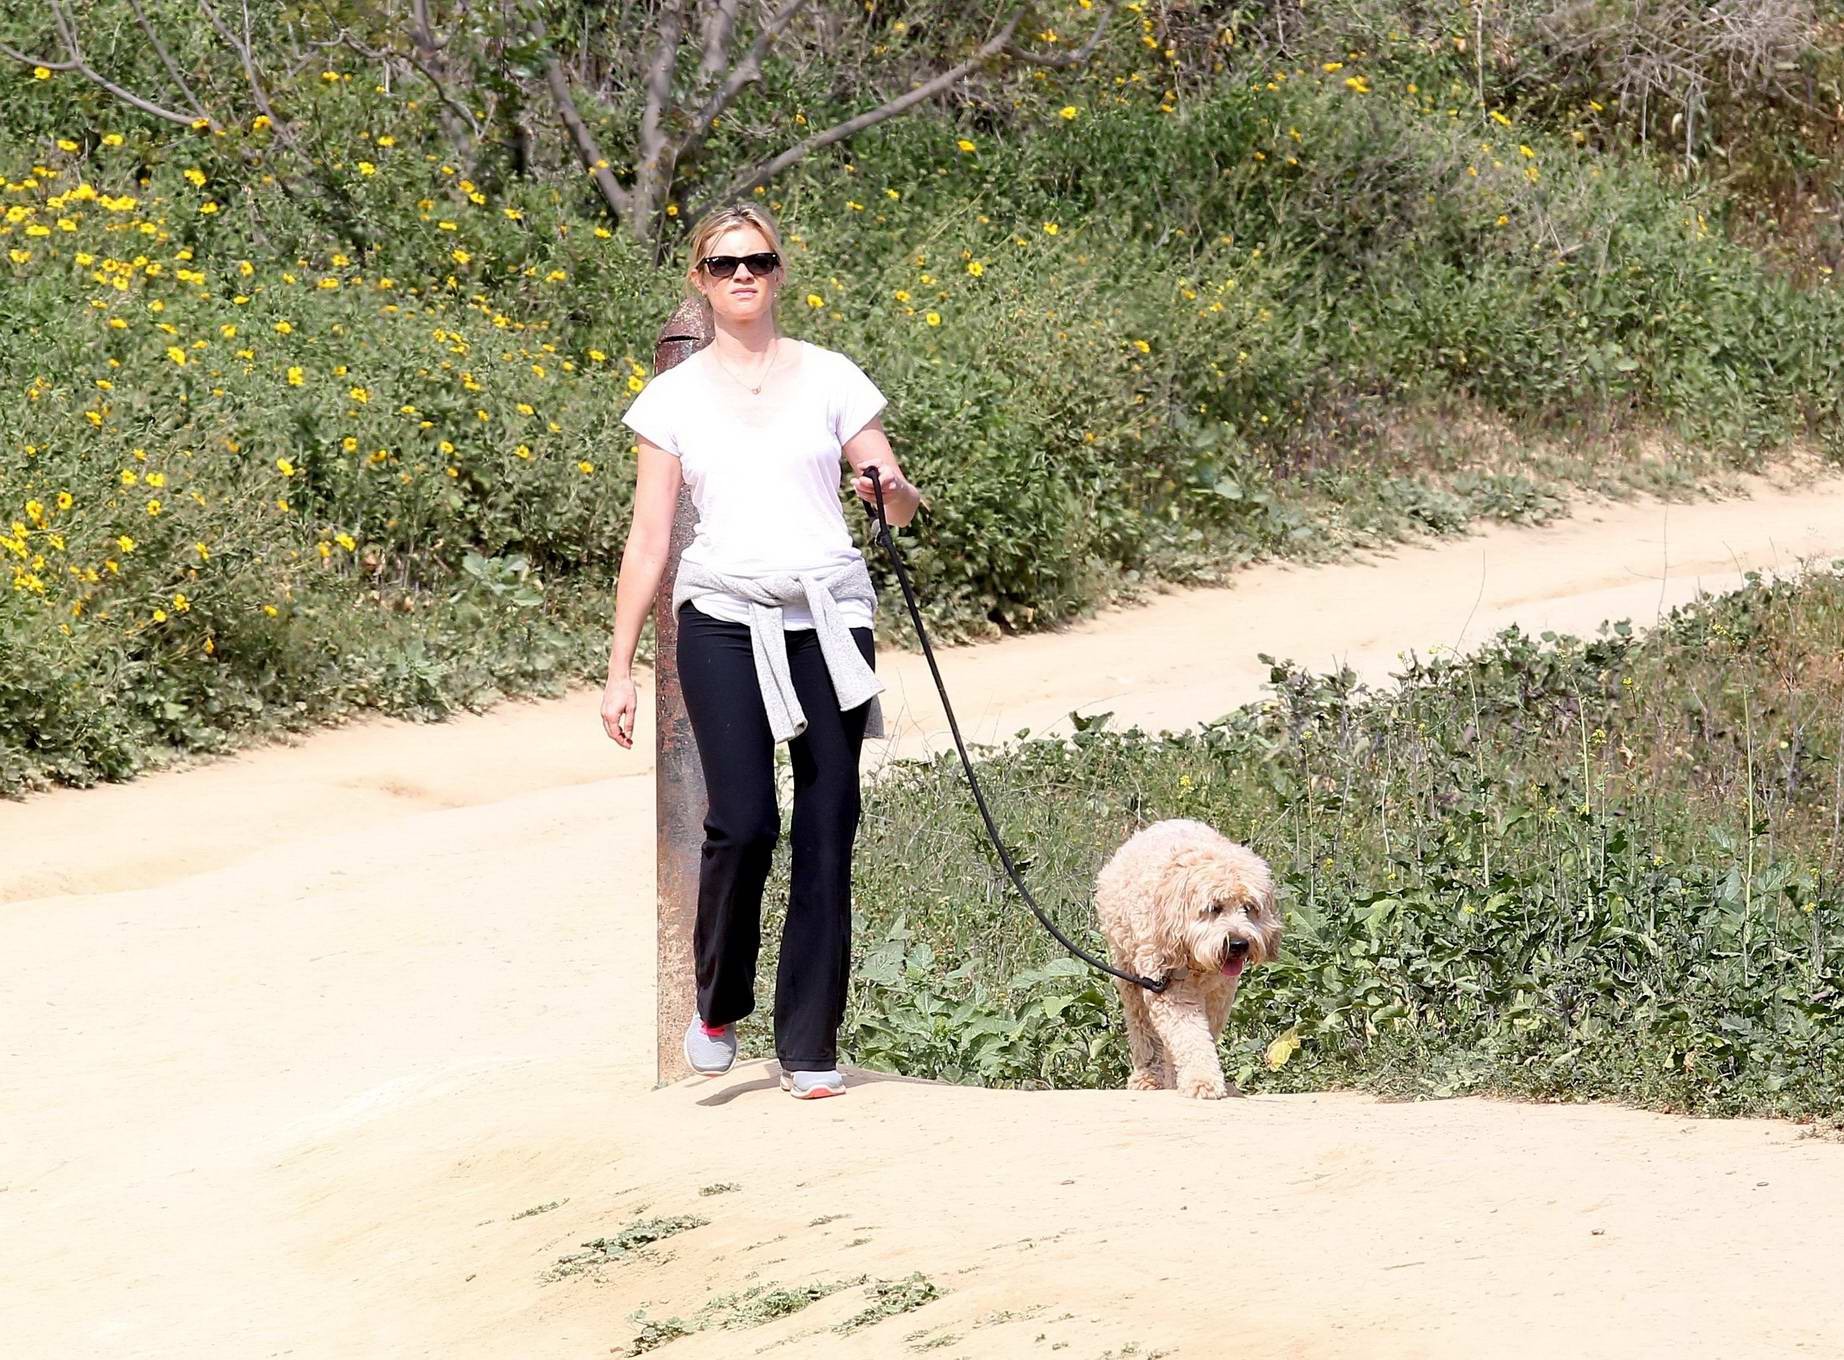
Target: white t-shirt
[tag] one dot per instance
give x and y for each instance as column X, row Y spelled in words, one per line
column 764, row 470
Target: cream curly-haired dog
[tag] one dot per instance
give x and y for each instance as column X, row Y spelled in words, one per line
column 1181, row 900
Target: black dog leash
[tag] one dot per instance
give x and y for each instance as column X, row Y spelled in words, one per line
column 992, row 831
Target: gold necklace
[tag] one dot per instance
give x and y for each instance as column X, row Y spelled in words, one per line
column 774, row 354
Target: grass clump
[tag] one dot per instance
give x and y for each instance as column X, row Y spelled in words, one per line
column 654, row 1334
column 766, row 1303
column 631, row 1240
column 891, row 1298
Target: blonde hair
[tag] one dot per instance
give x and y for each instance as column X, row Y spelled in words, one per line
column 719, row 220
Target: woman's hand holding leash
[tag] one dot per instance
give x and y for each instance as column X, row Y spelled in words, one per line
column 895, row 489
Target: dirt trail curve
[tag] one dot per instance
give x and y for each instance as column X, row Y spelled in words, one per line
column 294, row 1039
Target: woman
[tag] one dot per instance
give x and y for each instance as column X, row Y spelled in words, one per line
column 774, row 606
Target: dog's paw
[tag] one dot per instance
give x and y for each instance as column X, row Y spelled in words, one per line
column 1209, row 1087
column 1145, row 1081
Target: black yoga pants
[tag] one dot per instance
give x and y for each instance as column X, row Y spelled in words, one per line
column 724, row 702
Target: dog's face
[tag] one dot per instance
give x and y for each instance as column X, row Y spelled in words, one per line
column 1221, row 914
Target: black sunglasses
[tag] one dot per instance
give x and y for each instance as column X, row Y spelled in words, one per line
column 723, row 266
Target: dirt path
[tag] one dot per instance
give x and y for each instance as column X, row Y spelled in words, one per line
column 293, row 1040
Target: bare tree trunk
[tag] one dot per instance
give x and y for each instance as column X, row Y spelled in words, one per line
column 583, row 139
column 655, row 157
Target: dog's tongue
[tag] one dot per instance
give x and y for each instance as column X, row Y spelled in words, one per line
column 1233, row 969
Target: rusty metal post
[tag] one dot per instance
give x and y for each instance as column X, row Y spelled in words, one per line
column 678, row 777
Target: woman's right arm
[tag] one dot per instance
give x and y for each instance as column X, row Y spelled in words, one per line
column 643, row 562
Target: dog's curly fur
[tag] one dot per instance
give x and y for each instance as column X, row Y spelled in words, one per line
column 1181, row 899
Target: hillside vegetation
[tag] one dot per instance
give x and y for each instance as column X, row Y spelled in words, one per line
column 303, row 429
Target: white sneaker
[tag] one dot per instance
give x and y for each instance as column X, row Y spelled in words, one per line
column 813, row 1085
column 709, row 1054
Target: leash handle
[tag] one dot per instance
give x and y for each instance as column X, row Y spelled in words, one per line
column 872, row 471
column 979, row 796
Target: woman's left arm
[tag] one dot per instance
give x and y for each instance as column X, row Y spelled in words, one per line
column 870, row 447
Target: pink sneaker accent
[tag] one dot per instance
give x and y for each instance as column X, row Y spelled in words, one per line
column 712, row 1031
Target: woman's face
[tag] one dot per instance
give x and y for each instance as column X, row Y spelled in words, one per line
column 744, row 295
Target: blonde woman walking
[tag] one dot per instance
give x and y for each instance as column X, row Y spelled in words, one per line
column 774, row 606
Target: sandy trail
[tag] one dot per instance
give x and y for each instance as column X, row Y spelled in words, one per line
column 293, row 1038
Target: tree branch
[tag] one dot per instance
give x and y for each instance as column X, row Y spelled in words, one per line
column 617, row 198
column 717, row 27
column 654, row 146
column 248, row 61
column 767, row 170
column 423, row 33
column 448, row 101
column 747, row 70
column 1067, row 59
column 77, row 63
column 166, row 60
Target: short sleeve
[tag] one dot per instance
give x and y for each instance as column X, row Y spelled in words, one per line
column 650, row 415
column 855, row 400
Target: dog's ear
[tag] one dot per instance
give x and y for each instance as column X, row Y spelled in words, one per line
column 1177, row 901
column 1167, row 947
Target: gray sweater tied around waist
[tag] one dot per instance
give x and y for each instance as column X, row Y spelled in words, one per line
column 853, row 680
